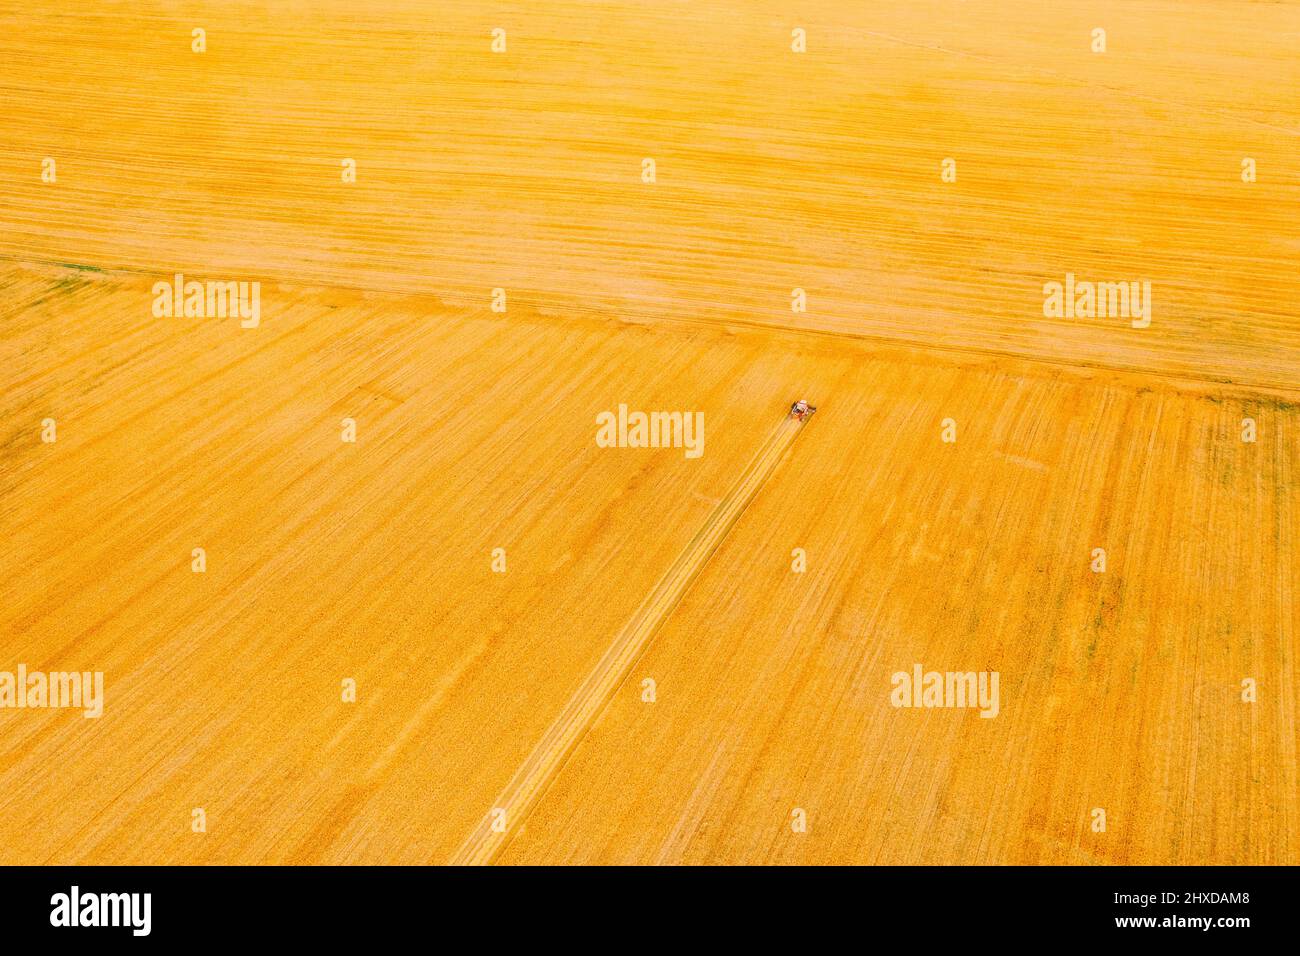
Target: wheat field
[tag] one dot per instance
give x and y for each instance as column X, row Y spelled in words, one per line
column 460, row 629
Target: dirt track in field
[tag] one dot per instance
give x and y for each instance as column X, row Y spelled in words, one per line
column 373, row 561
column 545, row 762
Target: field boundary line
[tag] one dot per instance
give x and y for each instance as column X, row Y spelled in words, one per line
column 1201, row 382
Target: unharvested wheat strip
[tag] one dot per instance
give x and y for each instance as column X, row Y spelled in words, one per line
column 535, row 773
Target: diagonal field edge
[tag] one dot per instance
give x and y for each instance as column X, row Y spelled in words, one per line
column 553, row 749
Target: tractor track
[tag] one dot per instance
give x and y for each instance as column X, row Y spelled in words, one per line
column 535, row 774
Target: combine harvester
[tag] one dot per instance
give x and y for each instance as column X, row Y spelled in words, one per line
column 536, row 773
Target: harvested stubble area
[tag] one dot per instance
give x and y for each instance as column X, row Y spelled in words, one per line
column 747, row 716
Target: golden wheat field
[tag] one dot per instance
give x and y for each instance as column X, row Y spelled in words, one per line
column 365, row 584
